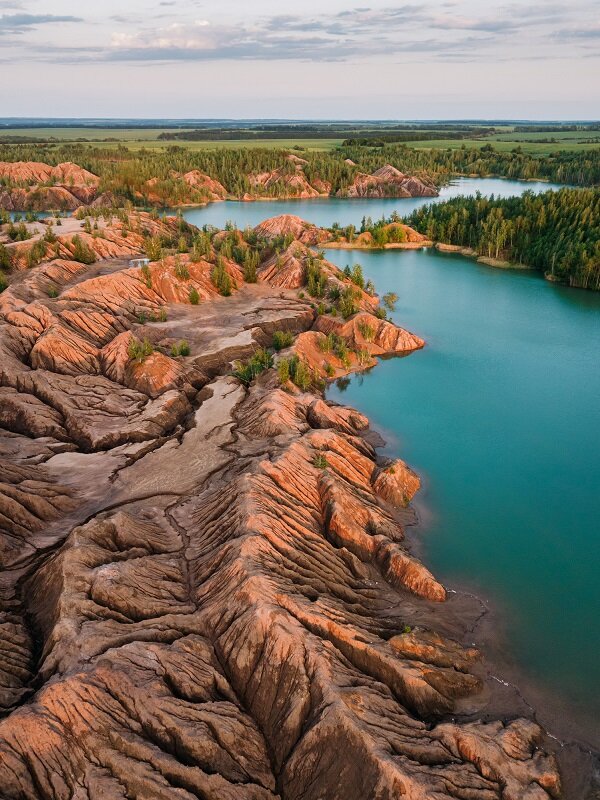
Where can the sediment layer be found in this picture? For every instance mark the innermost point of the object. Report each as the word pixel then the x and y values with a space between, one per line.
pixel 207 591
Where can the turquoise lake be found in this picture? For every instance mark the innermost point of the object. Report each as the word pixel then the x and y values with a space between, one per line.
pixel 499 414
pixel 327 210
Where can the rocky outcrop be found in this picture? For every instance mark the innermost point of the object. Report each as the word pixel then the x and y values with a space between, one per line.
pixel 280 181
pixel 190 188
pixel 397 484
pixel 207 589
pixel 111 239
pixel 37 186
pixel 365 331
pixel 290 225
pixel 387 182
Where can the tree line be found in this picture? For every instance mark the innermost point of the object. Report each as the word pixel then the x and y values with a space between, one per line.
pixel 555 232
pixel 125 172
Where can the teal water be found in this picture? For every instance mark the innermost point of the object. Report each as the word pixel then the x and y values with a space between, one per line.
pixel 499 414
pixel 325 211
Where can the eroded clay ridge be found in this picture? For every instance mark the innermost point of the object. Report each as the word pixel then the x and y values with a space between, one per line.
pixel 205 590
pixel 27 185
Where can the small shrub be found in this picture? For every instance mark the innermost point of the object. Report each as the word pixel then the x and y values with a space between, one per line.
pixel 329 369
pixel 246 371
pixel 139 351
pixel 301 375
pixel 282 339
pixel 339 346
pixel 3 282
pixel 220 278
pixel 357 276
pixel 50 236
pixel 82 252
pixel 363 357
pixel 380 313
pixel 201 246
pixel 324 344
pixel 181 271
pixel 52 291
pixel 153 248
pixel 389 300
pixel 36 253
pixel 250 264
pixel 194 296
pixel 283 370
pixel 316 280
pixel 147 276
pixel 366 331
pixel 320 462
pixel 407 629
pixel 182 348
pixel 301 295
pixel 347 304
pixel 18 233
pixel 5 260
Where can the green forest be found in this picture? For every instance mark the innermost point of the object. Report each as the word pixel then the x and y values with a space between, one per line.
pixel 125 172
pixel 555 232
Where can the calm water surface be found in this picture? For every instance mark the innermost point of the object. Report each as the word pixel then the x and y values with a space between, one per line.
pixel 325 211
pixel 500 416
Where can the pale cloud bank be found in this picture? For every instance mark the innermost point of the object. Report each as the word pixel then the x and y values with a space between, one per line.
pixel 165 35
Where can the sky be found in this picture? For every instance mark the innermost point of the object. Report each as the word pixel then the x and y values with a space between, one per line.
pixel 318 59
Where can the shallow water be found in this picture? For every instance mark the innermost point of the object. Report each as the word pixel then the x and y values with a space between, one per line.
pixel 499 415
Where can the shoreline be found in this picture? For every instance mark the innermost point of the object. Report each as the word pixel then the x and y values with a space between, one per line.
pixel 513 692
pixel 469 252
pixel 390 246
pixel 334 511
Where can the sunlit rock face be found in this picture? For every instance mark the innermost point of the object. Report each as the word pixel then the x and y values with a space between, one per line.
pixel 206 587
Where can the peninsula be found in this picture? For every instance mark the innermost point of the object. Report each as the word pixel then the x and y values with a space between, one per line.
pixel 207 589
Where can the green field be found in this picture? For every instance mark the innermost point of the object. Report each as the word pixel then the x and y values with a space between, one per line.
pixel 560 136
pixel 92 134
pixel 504 143
pixel 305 144
pixel 504 139
pixel 136 139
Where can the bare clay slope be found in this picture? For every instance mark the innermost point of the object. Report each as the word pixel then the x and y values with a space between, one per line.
pixel 206 590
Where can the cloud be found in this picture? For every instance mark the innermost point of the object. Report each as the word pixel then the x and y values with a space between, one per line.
pixel 415 31
pixel 19 23
pixel 356 32
pixel 570 34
